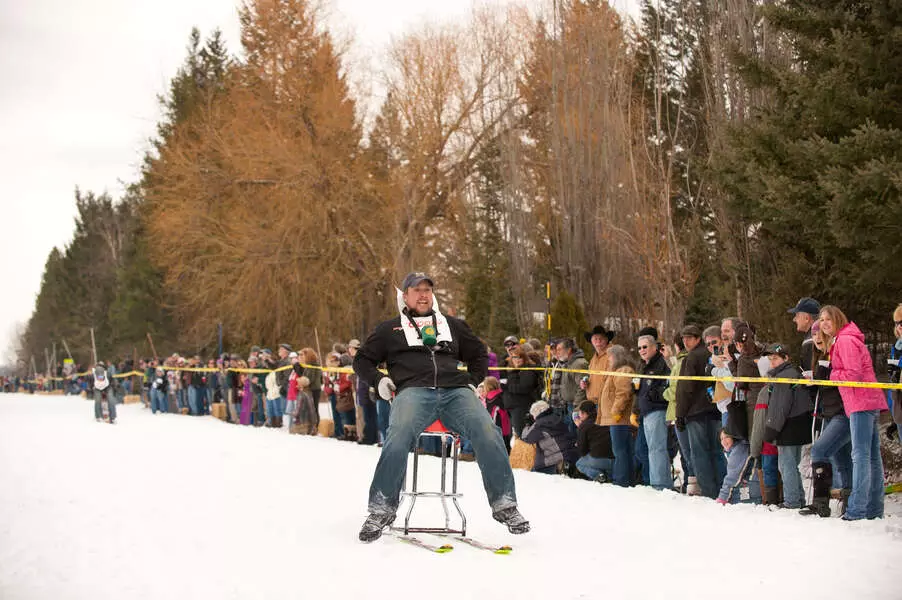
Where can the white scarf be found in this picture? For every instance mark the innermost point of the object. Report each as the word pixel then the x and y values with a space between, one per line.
pixel 441 323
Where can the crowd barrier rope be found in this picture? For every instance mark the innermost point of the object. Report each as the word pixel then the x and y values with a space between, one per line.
pixel 708 379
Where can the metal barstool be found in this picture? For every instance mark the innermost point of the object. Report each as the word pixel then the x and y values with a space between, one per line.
pixel 440 431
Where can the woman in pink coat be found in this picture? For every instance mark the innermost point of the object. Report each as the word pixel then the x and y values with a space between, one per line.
pixel 851 361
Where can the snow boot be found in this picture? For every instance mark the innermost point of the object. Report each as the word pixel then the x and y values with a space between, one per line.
pixel 823 479
pixel 771 495
pixel 511 517
pixel 373 526
pixel 602 478
pixel 844 499
pixel 692 488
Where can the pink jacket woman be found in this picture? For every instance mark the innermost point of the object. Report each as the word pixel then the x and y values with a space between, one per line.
pixel 851 361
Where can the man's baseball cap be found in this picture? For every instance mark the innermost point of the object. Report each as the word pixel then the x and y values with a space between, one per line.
pixel 776 348
pixel 806 305
pixel 354 344
pixel 415 279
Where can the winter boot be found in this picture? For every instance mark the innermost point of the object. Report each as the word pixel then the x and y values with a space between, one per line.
pixel 771 495
pixel 511 517
pixel 692 488
pixel 823 479
pixel 602 478
pixel 844 499
pixel 373 526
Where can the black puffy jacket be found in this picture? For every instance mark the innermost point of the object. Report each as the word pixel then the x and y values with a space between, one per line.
pixel 522 388
pixel 420 366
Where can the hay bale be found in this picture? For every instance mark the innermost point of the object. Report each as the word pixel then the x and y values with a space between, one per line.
pixel 132 399
pixel 523 455
pixel 326 428
pixel 218 410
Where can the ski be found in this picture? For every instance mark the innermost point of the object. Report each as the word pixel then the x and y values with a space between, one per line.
pixel 417 542
pixel 477 544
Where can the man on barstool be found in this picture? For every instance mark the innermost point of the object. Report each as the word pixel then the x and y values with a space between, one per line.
pixel 422 348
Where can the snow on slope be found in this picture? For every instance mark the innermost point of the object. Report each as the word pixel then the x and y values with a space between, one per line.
pixel 176 507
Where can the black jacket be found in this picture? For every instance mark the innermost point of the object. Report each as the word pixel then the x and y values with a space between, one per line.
pixel 198 378
pixel 651 391
pixel 788 412
pixel 829 401
pixel 594 440
pixel 691 396
pixel 522 389
pixel 420 366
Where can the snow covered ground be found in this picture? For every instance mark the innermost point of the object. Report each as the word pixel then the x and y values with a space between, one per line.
pixel 176 507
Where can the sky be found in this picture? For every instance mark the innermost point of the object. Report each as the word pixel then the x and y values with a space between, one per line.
pixel 78 103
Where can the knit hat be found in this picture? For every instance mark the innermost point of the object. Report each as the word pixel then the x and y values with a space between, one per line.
pixel 538 408
pixel 653 332
pixel 292 355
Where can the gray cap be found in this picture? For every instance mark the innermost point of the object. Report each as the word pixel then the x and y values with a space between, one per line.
pixel 415 279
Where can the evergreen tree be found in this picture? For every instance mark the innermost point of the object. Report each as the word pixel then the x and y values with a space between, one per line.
pixel 818 170
pixel 569 320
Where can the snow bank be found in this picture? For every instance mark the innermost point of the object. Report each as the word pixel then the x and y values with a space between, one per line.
pixel 169 506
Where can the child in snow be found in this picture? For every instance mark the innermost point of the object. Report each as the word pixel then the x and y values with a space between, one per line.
pixel 737 451
pixel 554 443
pixel 788 423
pixel 495 406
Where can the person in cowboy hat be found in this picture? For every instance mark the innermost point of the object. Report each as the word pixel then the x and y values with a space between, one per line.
pixel 600 338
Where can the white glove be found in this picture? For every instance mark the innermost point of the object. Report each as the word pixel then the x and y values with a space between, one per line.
pixel 386 388
pixel 473 389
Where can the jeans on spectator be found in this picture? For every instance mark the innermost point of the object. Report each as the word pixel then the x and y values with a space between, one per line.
pixel 789 458
pixel 158 401
pixel 336 416
pixel 835 445
pixel 707 455
pixel 623 445
pixel 771 470
pixel 640 457
pixel 685 455
pixel 866 501
pixel 195 400
pixel 659 464
pixel 180 400
pixel 593 467
pixel 413 410
pixel 370 433
pixel 383 414
pixel 274 407
pixel 549 470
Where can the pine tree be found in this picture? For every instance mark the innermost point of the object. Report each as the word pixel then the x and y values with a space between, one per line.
pixel 818 170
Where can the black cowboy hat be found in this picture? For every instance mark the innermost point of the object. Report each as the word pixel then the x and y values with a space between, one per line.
pixel 600 330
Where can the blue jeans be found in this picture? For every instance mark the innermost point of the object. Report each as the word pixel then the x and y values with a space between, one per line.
pixel 370 434
pixel 771 470
pixel 835 445
pixel 180 400
pixel 195 400
pixel 111 403
pixel 789 458
pixel 383 414
pixel 623 445
pixel 274 408
pixel 866 501
pixel 593 467
pixel 685 454
pixel 659 465
pixel 707 455
pixel 158 401
pixel 413 410
pixel 641 456
pixel 336 416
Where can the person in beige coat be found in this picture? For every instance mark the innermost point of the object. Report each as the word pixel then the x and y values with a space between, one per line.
pixel 600 338
pixel 614 408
